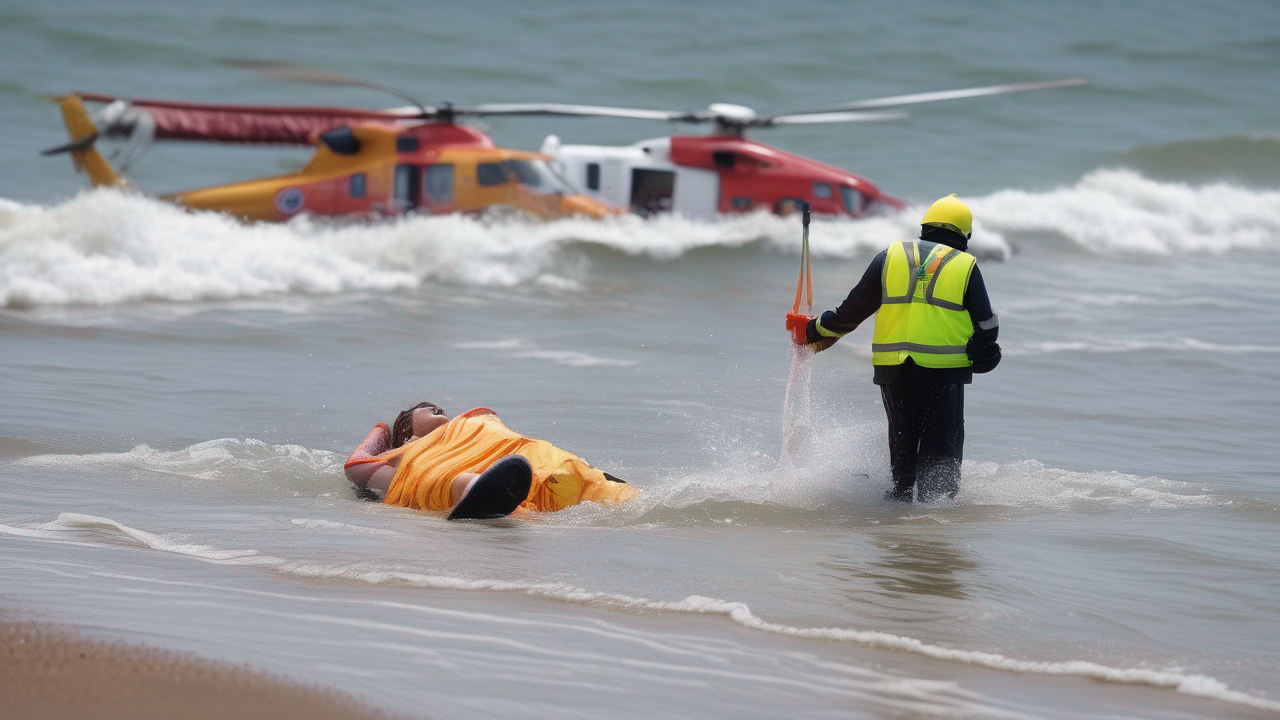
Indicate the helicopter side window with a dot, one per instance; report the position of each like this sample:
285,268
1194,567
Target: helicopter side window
437,184
490,174
822,190
356,185
593,176
854,201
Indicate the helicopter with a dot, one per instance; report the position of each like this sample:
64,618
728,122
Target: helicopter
724,172
372,163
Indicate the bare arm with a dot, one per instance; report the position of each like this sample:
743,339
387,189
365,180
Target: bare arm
375,476
371,475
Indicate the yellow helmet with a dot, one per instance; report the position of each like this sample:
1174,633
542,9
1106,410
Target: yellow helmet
950,213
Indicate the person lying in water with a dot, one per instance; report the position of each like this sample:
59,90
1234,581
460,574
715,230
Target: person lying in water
473,466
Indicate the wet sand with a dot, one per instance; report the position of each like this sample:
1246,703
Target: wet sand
49,672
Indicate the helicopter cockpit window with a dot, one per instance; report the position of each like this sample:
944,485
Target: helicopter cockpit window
593,176
854,201
437,184
539,177
490,174
822,190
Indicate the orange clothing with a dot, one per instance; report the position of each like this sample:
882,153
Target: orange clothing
472,442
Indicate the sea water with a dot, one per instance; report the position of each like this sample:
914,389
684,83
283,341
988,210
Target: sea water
180,389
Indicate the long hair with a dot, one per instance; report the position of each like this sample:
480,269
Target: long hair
402,428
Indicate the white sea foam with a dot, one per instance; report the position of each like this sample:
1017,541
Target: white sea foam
526,349
58,529
1189,684
316,524
1120,211
746,472
214,459
1029,483
1111,346
106,247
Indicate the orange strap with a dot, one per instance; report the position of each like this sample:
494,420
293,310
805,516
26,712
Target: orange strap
804,284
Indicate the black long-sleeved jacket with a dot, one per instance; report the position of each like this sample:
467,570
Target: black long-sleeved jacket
864,300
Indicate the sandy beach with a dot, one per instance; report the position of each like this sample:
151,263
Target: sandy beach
51,672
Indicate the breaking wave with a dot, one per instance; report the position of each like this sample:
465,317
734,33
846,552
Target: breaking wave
1123,212
248,467
106,247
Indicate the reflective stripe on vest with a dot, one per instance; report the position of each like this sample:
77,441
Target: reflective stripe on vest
922,313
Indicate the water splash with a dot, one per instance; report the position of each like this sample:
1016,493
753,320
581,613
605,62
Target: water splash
796,413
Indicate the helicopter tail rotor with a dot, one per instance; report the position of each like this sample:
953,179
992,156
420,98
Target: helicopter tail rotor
84,133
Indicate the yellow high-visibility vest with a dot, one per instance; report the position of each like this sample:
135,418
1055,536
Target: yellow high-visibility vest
922,313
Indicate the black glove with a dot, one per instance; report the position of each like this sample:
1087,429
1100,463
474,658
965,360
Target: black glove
985,356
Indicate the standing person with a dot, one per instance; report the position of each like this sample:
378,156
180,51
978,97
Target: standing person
934,329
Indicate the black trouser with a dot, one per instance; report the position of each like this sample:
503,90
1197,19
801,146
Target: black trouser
926,434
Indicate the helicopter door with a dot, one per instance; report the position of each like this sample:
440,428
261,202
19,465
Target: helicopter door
437,187
651,190
406,190
697,193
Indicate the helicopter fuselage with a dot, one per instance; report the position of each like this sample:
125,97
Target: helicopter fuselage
374,170
704,176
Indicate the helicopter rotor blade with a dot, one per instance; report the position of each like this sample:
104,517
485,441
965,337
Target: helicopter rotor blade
569,110
293,72
940,95
72,146
832,117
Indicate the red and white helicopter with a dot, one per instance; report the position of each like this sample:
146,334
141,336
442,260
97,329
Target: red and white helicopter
724,172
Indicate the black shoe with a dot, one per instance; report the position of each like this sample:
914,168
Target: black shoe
497,492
